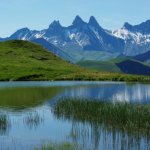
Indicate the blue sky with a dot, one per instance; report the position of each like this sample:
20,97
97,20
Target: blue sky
38,14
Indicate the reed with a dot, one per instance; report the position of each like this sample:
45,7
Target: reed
126,117
52,146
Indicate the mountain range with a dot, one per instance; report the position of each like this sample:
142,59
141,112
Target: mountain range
88,40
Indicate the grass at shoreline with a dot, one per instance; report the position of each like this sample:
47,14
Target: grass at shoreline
128,118
51,146
103,76
84,76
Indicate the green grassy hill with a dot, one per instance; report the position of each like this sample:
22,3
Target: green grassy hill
105,66
26,61
22,60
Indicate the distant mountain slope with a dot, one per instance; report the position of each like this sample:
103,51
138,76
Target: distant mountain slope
2,39
77,55
143,57
82,55
55,50
105,66
133,67
137,38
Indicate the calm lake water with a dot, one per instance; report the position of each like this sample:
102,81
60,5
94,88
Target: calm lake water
27,119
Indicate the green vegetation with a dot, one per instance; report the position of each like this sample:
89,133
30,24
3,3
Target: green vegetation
25,61
4,123
92,55
64,146
107,66
129,118
22,60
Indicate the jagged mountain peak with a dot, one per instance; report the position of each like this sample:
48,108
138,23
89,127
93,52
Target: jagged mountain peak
20,34
127,26
23,30
78,21
143,28
146,22
55,24
93,22
55,28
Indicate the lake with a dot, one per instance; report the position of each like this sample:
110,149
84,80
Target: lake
28,120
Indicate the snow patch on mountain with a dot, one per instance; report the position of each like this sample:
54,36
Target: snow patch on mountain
136,41
135,37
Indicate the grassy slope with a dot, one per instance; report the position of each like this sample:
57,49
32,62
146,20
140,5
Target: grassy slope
22,60
107,66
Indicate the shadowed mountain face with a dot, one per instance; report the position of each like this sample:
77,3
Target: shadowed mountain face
144,27
132,67
55,50
143,57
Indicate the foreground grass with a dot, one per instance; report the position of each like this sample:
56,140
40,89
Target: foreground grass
133,119
25,61
103,76
63,146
